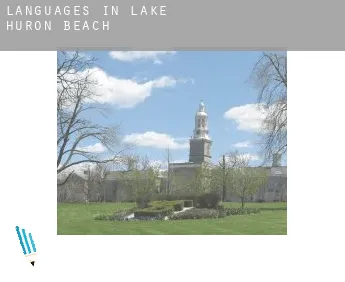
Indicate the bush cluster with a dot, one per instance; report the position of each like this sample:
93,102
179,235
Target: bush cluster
240,211
143,200
204,200
188,203
207,200
196,214
157,212
177,205
260,201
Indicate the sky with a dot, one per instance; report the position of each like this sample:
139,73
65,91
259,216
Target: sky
155,96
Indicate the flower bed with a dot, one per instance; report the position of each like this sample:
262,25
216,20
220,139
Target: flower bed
196,214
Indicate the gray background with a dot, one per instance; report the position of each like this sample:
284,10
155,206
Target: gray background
189,24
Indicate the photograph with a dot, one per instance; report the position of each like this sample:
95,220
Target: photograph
171,142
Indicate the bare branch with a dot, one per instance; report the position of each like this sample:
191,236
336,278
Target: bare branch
269,77
76,95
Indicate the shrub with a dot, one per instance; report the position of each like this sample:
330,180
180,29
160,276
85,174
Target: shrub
260,201
240,211
208,200
154,212
177,205
195,214
188,203
205,200
143,200
175,197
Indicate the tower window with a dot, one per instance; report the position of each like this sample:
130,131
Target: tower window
198,132
199,123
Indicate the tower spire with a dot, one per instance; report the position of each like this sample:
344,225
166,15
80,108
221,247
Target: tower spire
200,143
201,125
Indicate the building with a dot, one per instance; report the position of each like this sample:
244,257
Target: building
182,176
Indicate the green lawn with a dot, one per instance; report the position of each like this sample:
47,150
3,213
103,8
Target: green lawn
77,219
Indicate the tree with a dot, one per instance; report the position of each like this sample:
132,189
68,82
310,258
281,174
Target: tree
221,173
229,161
76,95
169,174
68,192
201,181
97,179
142,179
269,77
244,180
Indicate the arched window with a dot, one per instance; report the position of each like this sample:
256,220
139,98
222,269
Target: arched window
199,123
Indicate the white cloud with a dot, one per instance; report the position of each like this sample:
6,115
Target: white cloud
131,56
78,169
248,117
126,93
122,92
244,144
96,148
155,140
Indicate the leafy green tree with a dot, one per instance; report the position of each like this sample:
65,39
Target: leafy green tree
245,181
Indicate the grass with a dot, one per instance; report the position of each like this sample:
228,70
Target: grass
77,219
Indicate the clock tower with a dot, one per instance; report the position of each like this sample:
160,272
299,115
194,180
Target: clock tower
200,143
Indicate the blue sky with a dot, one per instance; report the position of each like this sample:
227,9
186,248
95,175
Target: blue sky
155,95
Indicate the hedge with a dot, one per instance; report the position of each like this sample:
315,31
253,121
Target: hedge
177,205
204,200
240,211
188,203
196,214
207,200
103,216
155,212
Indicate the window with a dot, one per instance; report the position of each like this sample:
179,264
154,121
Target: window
203,122
199,123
